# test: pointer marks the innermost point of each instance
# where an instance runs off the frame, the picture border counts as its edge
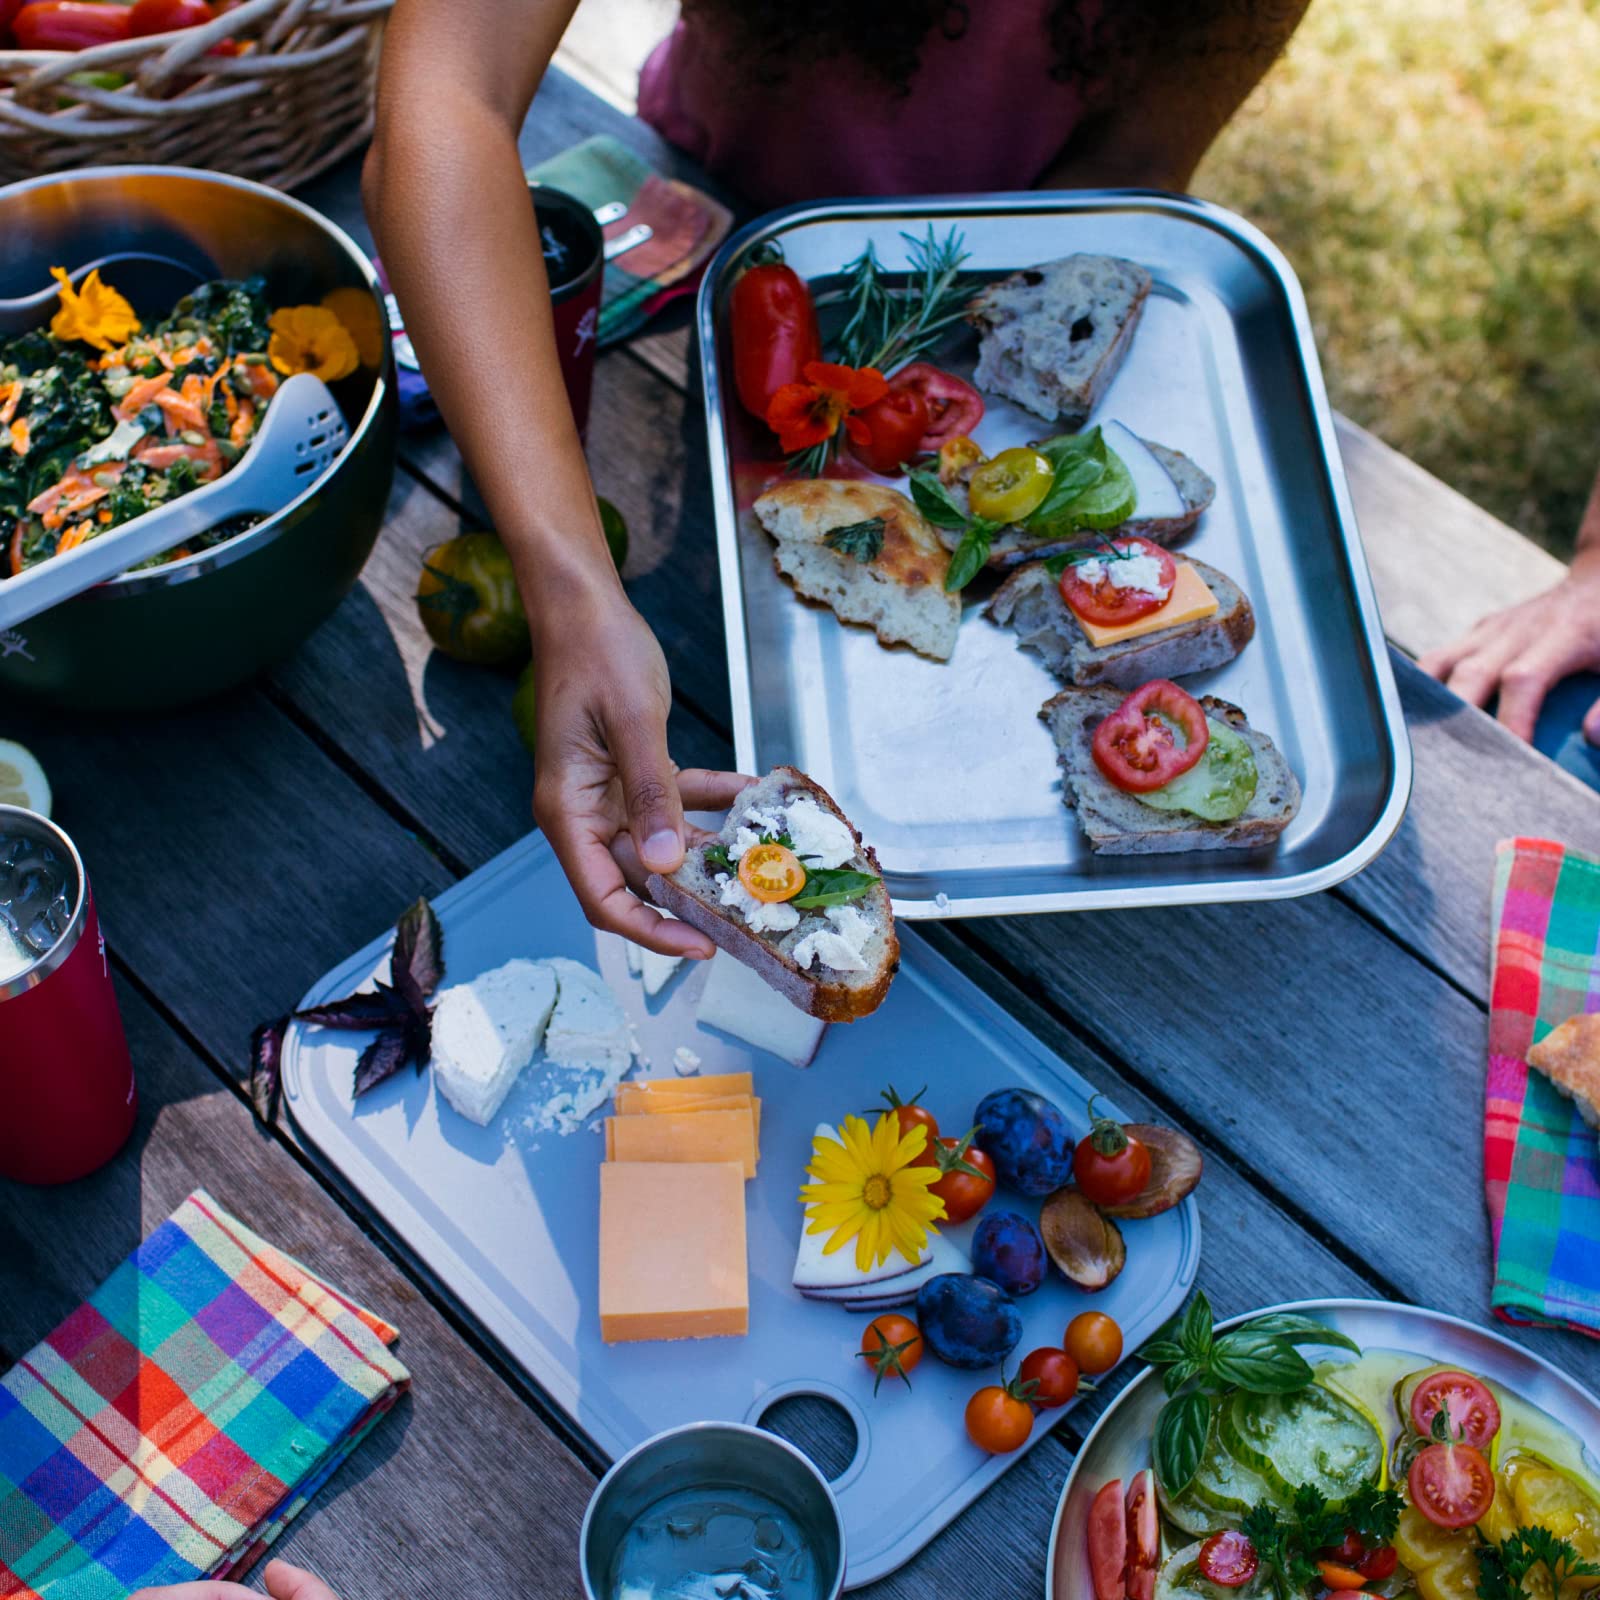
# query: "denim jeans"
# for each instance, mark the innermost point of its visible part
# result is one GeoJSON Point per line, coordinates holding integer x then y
{"type": "Point", "coordinates": [1559, 733]}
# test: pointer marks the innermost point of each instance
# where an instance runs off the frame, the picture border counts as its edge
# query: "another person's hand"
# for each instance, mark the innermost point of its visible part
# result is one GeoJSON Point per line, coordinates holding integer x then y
{"type": "Point", "coordinates": [608, 796]}
{"type": "Point", "coordinates": [1521, 653]}
{"type": "Point", "coordinates": [283, 1583]}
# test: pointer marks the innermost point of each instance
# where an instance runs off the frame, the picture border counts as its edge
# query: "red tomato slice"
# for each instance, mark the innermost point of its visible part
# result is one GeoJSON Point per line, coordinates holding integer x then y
{"type": "Point", "coordinates": [1144, 1537]}
{"type": "Point", "coordinates": [1451, 1485]}
{"type": "Point", "coordinates": [895, 426]}
{"type": "Point", "coordinates": [1229, 1559]}
{"type": "Point", "coordinates": [1137, 747]}
{"type": "Point", "coordinates": [1474, 1414]}
{"type": "Point", "coordinates": [1102, 601]}
{"type": "Point", "coordinates": [1108, 1543]}
{"type": "Point", "coordinates": [954, 407]}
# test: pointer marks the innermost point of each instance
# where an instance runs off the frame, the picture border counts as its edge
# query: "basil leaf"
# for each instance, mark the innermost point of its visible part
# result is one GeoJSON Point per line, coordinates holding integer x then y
{"type": "Point", "coordinates": [1180, 1440]}
{"type": "Point", "coordinates": [716, 857]}
{"type": "Point", "coordinates": [1295, 1329]}
{"type": "Point", "coordinates": [1161, 1352]}
{"type": "Point", "coordinates": [863, 540]}
{"type": "Point", "coordinates": [832, 886]}
{"type": "Point", "coordinates": [1194, 1334]}
{"type": "Point", "coordinates": [971, 554]}
{"type": "Point", "coordinates": [1179, 1373]}
{"type": "Point", "coordinates": [1079, 460]}
{"type": "Point", "coordinates": [1260, 1362]}
{"type": "Point", "coordinates": [935, 501]}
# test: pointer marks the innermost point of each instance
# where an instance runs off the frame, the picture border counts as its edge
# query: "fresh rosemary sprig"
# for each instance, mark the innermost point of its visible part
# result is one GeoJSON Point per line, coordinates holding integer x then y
{"type": "Point", "coordinates": [889, 328]}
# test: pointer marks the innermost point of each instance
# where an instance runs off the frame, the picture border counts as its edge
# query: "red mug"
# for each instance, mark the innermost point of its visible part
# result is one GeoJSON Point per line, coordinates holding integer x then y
{"type": "Point", "coordinates": [574, 262]}
{"type": "Point", "coordinates": [67, 1096]}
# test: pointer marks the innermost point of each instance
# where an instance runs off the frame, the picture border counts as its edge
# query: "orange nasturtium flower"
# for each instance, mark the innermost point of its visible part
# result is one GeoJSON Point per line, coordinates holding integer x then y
{"type": "Point", "coordinates": [311, 339]}
{"type": "Point", "coordinates": [804, 414]}
{"type": "Point", "coordinates": [93, 313]}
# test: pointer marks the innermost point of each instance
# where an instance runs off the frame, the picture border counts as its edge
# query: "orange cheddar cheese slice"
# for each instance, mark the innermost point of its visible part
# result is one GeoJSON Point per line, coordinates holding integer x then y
{"type": "Point", "coordinates": [1189, 601]}
{"type": "Point", "coordinates": [685, 1136]}
{"type": "Point", "coordinates": [632, 1102]}
{"type": "Point", "coordinates": [672, 1250]}
{"type": "Point", "coordinates": [711, 1083]}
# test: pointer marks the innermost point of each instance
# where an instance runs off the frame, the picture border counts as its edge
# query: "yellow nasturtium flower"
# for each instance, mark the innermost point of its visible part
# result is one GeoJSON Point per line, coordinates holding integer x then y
{"type": "Point", "coordinates": [311, 339]}
{"type": "Point", "coordinates": [93, 313]}
{"type": "Point", "coordinates": [358, 311]}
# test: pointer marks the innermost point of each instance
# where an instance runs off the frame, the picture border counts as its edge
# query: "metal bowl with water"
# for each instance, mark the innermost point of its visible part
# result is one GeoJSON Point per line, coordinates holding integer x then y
{"type": "Point", "coordinates": [196, 626]}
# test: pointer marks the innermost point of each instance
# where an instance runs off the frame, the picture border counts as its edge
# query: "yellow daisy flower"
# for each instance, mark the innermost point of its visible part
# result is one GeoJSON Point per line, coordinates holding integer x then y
{"type": "Point", "coordinates": [866, 1189]}
{"type": "Point", "coordinates": [93, 313]}
{"type": "Point", "coordinates": [311, 339]}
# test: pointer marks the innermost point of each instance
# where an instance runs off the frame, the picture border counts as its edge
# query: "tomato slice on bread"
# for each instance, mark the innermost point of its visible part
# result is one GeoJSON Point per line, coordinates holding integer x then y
{"type": "Point", "coordinates": [1157, 734]}
{"type": "Point", "coordinates": [1089, 586]}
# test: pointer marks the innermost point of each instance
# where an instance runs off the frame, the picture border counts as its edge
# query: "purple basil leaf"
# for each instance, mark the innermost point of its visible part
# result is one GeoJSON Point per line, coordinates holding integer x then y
{"type": "Point", "coordinates": [418, 951]}
{"type": "Point", "coordinates": [419, 1040]}
{"type": "Point", "coordinates": [413, 1003]}
{"type": "Point", "coordinates": [357, 1010]}
{"type": "Point", "coordinates": [266, 1069]}
{"type": "Point", "coordinates": [382, 1058]}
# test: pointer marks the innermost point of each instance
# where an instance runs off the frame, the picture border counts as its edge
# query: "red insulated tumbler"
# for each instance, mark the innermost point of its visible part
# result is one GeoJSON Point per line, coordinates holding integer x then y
{"type": "Point", "coordinates": [67, 1098]}
{"type": "Point", "coordinates": [574, 261]}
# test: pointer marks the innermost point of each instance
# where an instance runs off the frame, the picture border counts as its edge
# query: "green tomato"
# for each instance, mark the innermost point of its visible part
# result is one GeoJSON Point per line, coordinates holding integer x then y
{"type": "Point", "coordinates": [467, 596]}
{"type": "Point", "coordinates": [524, 709]}
{"type": "Point", "coordinates": [616, 531]}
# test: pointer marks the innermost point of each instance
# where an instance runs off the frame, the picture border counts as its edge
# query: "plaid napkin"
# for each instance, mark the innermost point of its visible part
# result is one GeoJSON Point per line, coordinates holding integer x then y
{"type": "Point", "coordinates": [686, 227]}
{"type": "Point", "coordinates": [1541, 1164]}
{"type": "Point", "coordinates": [175, 1423]}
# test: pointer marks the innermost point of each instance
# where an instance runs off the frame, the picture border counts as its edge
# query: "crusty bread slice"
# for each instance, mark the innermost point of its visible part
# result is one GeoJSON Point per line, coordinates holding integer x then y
{"type": "Point", "coordinates": [1119, 824]}
{"type": "Point", "coordinates": [1051, 337]}
{"type": "Point", "coordinates": [900, 593]}
{"type": "Point", "coordinates": [1030, 602]}
{"type": "Point", "coordinates": [1569, 1056]}
{"type": "Point", "coordinates": [693, 893]}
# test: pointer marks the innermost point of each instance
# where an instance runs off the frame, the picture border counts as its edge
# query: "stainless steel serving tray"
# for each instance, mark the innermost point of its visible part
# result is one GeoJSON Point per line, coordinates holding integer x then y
{"type": "Point", "coordinates": [1119, 1444]}
{"type": "Point", "coordinates": [945, 767]}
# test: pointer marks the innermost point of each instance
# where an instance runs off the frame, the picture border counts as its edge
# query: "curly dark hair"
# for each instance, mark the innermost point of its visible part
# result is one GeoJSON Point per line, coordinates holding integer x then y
{"type": "Point", "coordinates": [886, 37]}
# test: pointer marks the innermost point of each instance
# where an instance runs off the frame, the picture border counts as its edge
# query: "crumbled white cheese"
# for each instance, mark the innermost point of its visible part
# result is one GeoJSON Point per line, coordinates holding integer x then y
{"type": "Point", "coordinates": [777, 917]}
{"type": "Point", "coordinates": [685, 1062]}
{"type": "Point", "coordinates": [842, 947]}
{"type": "Point", "coordinates": [1139, 572]}
{"type": "Point", "coordinates": [589, 1039]}
{"type": "Point", "coordinates": [942, 900]}
{"type": "Point", "coordinates": [745, 839]}
{"type": "Point", "coordinates": [763, 821]}
{"type": "Point", "coordinates": [820, 838]}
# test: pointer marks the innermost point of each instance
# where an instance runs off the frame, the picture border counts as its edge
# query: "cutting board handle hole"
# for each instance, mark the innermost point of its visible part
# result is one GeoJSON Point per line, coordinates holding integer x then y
{"type": "Point", "coordinates": [819, 1427]}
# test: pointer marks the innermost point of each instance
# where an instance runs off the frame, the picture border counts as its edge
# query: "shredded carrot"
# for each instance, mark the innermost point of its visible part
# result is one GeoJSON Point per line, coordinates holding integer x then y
{"type": "Point", "coordinates": [11, 394]}
{"type": "Point", "coordinates": [262, 379]}
{"type": "Point", "coordinates": [103, 515]}
{"type": "Point", "coordinates": [243, 425]}
{"type": "Point", "coordinates": [14, 553]}
{"type": "Point", "coordinates": [82, 502]}
{"type": "Point", "coordinates": [72, 538]}
{"type": "Point", "coordinates": [19, 436]}
{"type": "Point", "coordinates": [140, 395]}
{"type": "Point", "coordinates": [181, 411]}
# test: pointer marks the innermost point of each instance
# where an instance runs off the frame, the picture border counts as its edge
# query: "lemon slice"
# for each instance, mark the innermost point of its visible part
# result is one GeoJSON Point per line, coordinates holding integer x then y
{"type": "Point", "coordinates": [22, 779]}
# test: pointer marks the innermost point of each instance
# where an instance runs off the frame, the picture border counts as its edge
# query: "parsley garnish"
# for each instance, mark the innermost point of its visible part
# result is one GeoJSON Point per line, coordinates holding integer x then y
{"type": "Point", "coordinates": [1504, 1568]}
{"type": "Point", "coordinates": [863, 540]}
{"type": "Point", "coordinates": [1288, 1541]}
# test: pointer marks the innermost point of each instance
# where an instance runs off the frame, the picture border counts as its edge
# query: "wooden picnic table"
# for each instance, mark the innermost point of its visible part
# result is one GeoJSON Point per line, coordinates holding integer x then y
{"type": "Point", "coordinates": [1326, 1052]}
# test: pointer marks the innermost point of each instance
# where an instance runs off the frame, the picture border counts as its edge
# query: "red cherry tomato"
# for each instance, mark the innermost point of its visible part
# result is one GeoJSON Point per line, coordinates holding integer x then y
{"type": "Point", "coordinates": [1101, 601]}
{"type": "Point", "coordinates": [954, 407]}
{"type": "Point", "coordinates": [774, 327]}
{"type": "Point", "coordinates": [1229, 1559]}
{"type": "Point", "coordinates": [913, 1114]}
{"type": "Point", "coordinates": [968, 1181]}
{"type": "Point", "coordinates": [1349, 1552]}
{"type": "Point", "coordinates": [1379, 1564]}
{"type": "Point", "coordinates": [998, 1419]}
{"type": "Point", "coordinates": [1144, 1537]}
{"type": "Point", "coordinates": [1094, 1341]}
{"type": "Point", "coordinates": [168, 16]}
{"type": "Point", "coordinates": [1136, 746]}
{"type": "Point", "coordinates": [1108, 1543]}
{"type": "Point", "coordinates": [1109, 1164]}
{"type": "Point", "coordinates": [69, 24]}
{"type": "Point", "coordinates": [1472, 1411]}
{"type": "Point", "coordinates": [1055, 1373]}
{"type": "Point", "coordinates": [895, 425]}
{"type": "Point", "coordinates": [1451, 1485]}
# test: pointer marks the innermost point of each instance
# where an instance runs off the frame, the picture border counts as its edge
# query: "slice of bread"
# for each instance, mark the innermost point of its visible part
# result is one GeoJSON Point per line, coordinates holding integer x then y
{"type": "Point", "coordinates": [1569, 1056]}
{"type": "Point", "coordinates": [1030, 602]}
{"type": "Point", "coordinates": [779, 953]}
{"type": "Point", "coordinates": [899, 593]}
{"type": "Point", "coordinates": [1051, 337]}
{"type": "Point", "coordinates": [1119, 824]}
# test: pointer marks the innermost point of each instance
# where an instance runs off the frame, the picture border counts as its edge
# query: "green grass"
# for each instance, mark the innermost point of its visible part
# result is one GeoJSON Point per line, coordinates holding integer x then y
{"type": "Point", "coordinates": [1432, 169]}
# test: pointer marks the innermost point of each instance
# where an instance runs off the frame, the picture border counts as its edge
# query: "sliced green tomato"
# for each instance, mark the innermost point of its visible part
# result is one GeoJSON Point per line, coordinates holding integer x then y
{"type": "Point", "coordinates": [1220, 786]}
{"type": "Point", "coordinates": [1110, 502]}
{"type": "Point", "coordinates": [1311, 1437]}
{"type": "Point", "coordinates": [1226, 1484]}
{"type": "Point", "coordinates": [1180, 1578]}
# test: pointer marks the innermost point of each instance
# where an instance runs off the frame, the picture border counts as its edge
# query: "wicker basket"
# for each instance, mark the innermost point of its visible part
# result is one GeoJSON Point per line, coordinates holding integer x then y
{"type": "Point", "coordinates": [295, 100]}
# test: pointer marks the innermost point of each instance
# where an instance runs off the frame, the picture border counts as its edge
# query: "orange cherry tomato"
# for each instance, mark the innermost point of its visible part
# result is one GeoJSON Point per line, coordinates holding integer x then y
{"type": "Point", "coordinates": [771, 872]}
{"type": "Point", "coordinates": [1340, 1579]}
{"type": "Point", "coordinates": [1094, 1341]}
{"type": "Point", "coordinates": [999, 1420]}
{"type": "Point", "coordinates": [892, 1346]}
{"type": "Point", "coordinates": [913, 1114]}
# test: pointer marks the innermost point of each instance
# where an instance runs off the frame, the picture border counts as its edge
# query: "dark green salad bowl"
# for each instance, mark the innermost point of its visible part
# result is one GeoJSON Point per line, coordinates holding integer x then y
{"type": "Point", "coordinates": [180, 632]}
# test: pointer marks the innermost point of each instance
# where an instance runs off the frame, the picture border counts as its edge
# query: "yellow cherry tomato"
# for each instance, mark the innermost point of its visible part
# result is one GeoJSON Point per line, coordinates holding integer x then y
{"type": "Point", "coordinates": [771, 872]}
{"type": "Point", "coordinates": [1007, 488]}
{"type": "Point", "coordinates": [955, 456]}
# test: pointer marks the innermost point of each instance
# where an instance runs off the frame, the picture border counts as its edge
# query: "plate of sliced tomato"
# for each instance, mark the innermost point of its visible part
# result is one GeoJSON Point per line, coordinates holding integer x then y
{"type": "Point", "coordinates": [1328, 1450]}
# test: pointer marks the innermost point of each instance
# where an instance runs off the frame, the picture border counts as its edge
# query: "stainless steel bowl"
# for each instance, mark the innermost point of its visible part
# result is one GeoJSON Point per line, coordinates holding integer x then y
{"type": "Point", "coordinates": [194, 627]}
{"type": "Point", "coordinates": [712, 1455]}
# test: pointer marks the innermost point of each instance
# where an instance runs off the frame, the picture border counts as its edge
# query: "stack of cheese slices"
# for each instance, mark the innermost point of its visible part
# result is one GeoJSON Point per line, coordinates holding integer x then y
{"type": "Point", "coordinates": [672, 1222]}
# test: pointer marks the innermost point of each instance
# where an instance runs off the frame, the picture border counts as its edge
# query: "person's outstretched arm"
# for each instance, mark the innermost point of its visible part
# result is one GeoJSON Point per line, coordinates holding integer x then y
{"type": "Point", "coordinates": [1191, 78]}
{"type": "Point", "coordinates": [1521, 653]}
{"type": "Point", "coordinates": [448, 203]}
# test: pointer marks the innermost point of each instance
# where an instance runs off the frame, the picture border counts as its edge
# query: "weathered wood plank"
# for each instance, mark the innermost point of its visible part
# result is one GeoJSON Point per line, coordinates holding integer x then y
{"type": "Point", "coordinates": [460, 1489]}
